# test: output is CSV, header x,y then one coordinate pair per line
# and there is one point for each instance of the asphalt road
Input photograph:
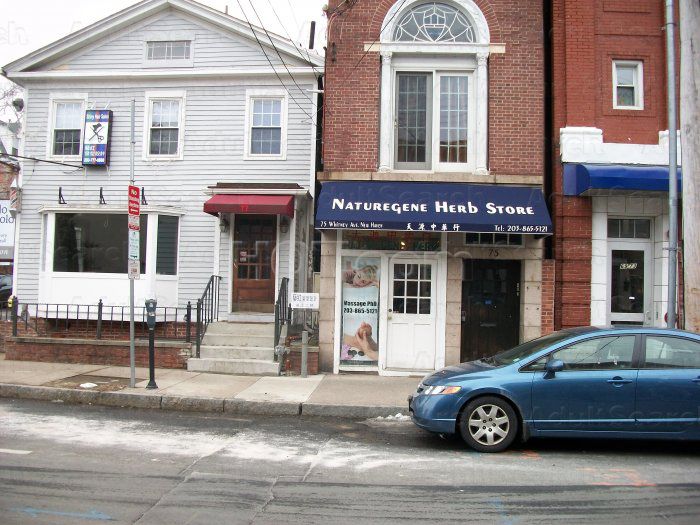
x,y
63,464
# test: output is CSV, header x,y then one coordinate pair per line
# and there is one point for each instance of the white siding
x,y
213,152
211,48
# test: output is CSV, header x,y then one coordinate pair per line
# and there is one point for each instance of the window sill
x,y
264,157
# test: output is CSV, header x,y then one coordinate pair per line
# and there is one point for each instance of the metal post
x,y
188,318
132,330
151,359
99,319
672,163
198,328
304,353
15,304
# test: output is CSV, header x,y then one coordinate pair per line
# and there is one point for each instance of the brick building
x,y
431,205
610,205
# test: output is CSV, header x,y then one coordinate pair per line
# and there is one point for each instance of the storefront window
x,y
360,311
94,243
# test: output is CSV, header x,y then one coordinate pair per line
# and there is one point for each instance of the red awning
x,y
251,204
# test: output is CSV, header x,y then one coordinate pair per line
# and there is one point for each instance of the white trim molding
x,y
585,146
637,84
56,98
272,94
152,96
468,7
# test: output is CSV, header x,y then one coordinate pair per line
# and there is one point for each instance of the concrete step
x,y
237,352
265,341
251,367
223,328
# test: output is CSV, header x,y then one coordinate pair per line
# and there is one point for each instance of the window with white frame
x,y
266,126
168,50
434,22
67,128
435,87
432,120
628,90
165,127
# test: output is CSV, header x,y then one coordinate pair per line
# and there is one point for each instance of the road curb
x,y
351,411
196,404
261,408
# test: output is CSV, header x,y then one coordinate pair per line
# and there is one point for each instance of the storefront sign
x,y
7,232
360,311
440,207
305,301
96,137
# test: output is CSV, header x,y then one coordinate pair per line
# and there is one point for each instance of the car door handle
x,y
697,380
619,381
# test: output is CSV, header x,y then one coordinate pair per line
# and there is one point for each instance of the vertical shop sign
x,y
134,232
96,137
360,311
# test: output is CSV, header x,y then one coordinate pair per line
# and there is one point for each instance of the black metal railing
x,y
98,320
283,316
207,309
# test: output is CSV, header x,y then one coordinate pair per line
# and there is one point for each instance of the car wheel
x,y
488,424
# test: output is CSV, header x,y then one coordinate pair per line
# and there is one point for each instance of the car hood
x,y
470,367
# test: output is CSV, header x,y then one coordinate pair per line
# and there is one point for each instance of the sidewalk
x,y
351,395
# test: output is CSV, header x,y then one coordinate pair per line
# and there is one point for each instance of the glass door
x,y
630,283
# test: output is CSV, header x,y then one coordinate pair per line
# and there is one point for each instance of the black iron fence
x,y
95,320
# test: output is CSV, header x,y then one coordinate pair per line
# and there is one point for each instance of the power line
x,y
308,56
278,53
270,61
374,43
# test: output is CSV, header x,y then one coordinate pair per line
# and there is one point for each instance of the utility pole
x,y
672,163
690,151
132,343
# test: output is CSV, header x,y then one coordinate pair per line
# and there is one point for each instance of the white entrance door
x,y
411,315
630,282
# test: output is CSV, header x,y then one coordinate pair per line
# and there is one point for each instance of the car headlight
x,y
441,390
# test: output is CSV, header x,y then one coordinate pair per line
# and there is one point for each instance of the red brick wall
x,y
516,117
547,310
56,351
111,330
292,363
586,37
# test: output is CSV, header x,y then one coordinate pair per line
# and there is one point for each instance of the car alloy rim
x,y
488,425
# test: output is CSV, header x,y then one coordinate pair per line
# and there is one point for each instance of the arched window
x,y
434,22
434,114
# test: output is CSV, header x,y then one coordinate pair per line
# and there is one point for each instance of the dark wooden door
x,y
254,243
490,307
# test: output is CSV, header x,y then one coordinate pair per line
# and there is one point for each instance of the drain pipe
x,y
670,27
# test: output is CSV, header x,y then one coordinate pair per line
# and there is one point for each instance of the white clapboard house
x,y
225,152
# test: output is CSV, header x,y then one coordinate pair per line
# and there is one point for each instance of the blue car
x,y
583,382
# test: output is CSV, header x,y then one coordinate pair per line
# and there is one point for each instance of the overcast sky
x,y
27,25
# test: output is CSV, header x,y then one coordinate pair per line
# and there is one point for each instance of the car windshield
x,y
525,350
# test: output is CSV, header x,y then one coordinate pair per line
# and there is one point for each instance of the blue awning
x,y
587,179
416,206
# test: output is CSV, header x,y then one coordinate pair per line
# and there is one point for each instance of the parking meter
x,y
151,321
151,313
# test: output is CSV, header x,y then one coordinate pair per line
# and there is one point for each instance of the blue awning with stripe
x,y
591,179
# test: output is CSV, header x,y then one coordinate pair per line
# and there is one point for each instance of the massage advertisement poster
x,y
360,311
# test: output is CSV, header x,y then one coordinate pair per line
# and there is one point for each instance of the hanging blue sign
x,y
96,137
432,207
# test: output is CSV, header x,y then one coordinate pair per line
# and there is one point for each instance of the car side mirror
x,y
553,366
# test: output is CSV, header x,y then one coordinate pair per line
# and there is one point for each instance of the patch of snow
x,y
102,433
88,385
397,417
